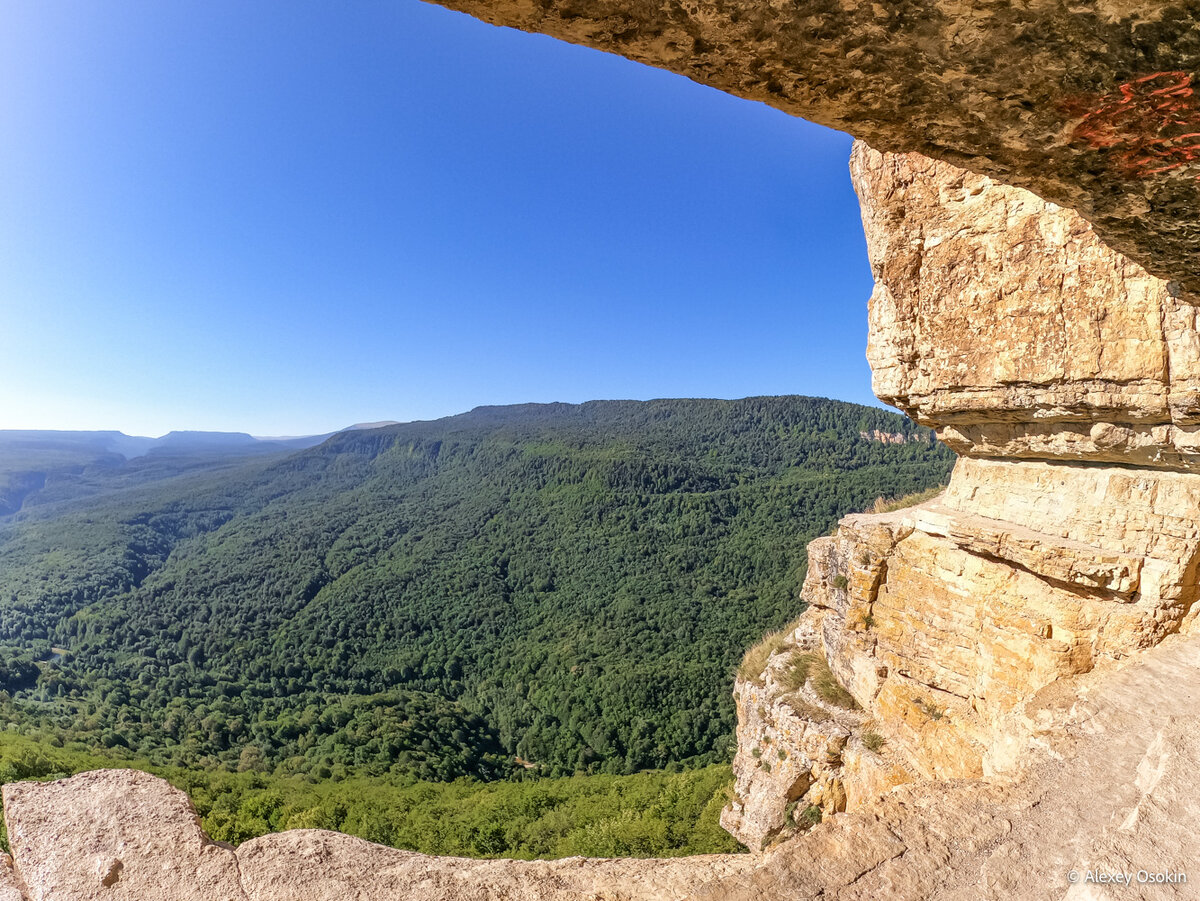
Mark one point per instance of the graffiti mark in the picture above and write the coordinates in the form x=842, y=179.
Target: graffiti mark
x=1149, y=126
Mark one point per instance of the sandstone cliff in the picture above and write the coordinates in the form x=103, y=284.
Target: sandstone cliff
x=1003, y=321
x=1045, y=358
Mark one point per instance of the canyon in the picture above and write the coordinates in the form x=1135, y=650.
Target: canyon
x=991, y=694
x=988, y=691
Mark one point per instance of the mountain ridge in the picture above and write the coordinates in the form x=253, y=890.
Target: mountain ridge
x=570, y=583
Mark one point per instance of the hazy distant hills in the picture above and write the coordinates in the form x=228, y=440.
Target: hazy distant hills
x=46, y=466
x=32, y=441
x=571, y=584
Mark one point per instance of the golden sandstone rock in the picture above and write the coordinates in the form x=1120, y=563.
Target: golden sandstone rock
x=1069, y=536
x=1005, y=323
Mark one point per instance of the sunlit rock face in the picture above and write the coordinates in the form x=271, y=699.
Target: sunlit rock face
x=1091, y=105
x=1004, y=322
x=1069, y=536
x=1113, y=785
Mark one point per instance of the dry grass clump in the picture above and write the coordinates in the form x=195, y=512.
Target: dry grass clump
x=892, y=504
x=796, y=674
x=807, y=711
x=754, y=664
x=873, y=741
x=813, y=668
x=830, y=690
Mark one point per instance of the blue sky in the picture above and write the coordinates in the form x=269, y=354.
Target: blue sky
x=285, y=217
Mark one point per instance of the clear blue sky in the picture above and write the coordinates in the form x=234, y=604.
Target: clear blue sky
x=285, y=217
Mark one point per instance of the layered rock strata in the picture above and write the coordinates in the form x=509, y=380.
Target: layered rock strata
x=1069, y=536
x=1110, y=791
x=1091, y=105
x=1005, y=323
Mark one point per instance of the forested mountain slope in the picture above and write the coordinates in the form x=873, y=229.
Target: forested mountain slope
x=571, y=585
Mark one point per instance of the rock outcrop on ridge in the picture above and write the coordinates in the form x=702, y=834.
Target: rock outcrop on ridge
x=1095, y=106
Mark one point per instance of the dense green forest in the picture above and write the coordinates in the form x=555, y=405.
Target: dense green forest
x=644, y=815
x=534, y=590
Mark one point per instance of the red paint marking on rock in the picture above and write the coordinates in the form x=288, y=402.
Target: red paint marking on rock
x=1149, y=126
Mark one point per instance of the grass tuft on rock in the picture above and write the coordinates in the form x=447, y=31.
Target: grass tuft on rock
x=754, y=663
x=892, y=504
x=811, y=667
x=873, y=741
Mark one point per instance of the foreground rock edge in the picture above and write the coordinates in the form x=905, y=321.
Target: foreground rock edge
x=125, y=834
x=111, y=835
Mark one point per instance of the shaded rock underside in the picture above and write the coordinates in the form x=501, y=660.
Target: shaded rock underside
x=1090, y=105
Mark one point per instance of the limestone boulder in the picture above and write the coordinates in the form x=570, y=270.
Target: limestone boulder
x=114, y=835
x=316, y=865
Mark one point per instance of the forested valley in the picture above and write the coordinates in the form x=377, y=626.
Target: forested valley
x=523, y=595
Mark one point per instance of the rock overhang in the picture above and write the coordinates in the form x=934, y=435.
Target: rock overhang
x=1093, y=106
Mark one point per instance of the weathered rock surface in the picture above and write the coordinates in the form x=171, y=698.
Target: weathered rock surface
x=1111, y=789
x=119, y=835
x=10, y=884
x=1091, y=105
x=112, y=835
x=791, y=745
x=991, y=690
x=942, y=618
x=314, y=864
x=1005, y=323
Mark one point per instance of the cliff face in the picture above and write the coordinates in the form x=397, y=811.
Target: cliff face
x=1044, y=357
x=1110, y=789
x=1002, y=321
